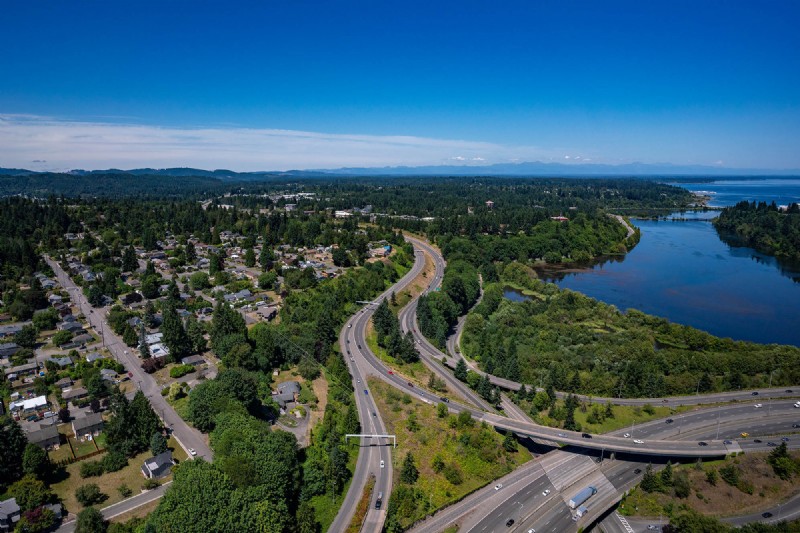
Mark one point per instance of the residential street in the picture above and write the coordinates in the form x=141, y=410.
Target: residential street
x=186, y=436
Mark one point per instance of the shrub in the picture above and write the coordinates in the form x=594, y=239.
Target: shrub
x=91, y=469
x=150, y=484
x=453, y=474
x=114, y=461
x=89, y=494
x=180, y=371
x=124, y=491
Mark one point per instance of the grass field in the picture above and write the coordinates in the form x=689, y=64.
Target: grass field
x=476, y=453
x=721, y=499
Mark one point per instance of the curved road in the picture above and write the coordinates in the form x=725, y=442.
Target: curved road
x=696, y=399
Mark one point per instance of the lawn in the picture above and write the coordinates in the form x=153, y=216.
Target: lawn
x=624, y=416
x=82, y=449
x=181, y=406
x=476, y=453
x=131, y=476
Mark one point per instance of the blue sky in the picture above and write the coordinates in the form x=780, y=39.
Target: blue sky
x=299, y=84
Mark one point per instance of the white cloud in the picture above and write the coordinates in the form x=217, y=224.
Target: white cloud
x=97, y=145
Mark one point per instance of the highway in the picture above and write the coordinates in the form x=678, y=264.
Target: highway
x=352, y=342
x=186, y=436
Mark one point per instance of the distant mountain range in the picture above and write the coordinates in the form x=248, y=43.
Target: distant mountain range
x=534, y=168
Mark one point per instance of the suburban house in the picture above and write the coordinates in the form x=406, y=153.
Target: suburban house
x=130, y=298
x=54, y=299
x=64, y=383
x=9, y=349
x=91, y=424
x=83, y=338
x=62, y=362
x=27, y=369
x=46, y=436
x=9, y=330
x=9, y=514
x=158, y=350
x=193, y=360
x=287, y=393
x=94, y=356
x=74, y=394
x=28, y=406
x=108, y=374
x=158, y=466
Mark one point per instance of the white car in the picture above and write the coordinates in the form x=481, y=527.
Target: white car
x=627, y=435
x=546, y=492
x=383, y=464
x=758, y=406
x=637, y=441
x=192, y=452
x=349, y=325
x=498, y=486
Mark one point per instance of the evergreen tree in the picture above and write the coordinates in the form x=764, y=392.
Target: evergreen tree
x=144, y=349
x=461, y=370
x=266, y=257
x=196, y=332
x=12, y=444
x=129, y=262
x=249, y=258
x=158, y=443
x=666, y=475
x=650, y=483
x=129, y=336
x=191, y=253
x=409, y=473
x=175, y=336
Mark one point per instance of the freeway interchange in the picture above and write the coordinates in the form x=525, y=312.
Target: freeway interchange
x=522, y=497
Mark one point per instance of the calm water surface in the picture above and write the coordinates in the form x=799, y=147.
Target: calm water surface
x=681, y=270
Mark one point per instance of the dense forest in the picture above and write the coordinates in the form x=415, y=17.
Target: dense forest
x=764, y=227
x=569, y=342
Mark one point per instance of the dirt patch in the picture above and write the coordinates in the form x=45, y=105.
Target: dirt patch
x=320, y=388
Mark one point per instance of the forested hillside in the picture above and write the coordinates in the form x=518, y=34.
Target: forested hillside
x=764, y=227
x=567, y=341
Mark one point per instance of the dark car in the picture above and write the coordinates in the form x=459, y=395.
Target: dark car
x=702, y=443
x=445, y=400
x=770, y=443
x=796, y=425
x=669, y=421
x=664, y=400
x=754, y=393
x=727, y=442
x=766, y=515
x=637, y=471
x=509, y=522
x=410, y=384
x=785, y=439
x=586, y=436
x=366, y=391
x=789, y=390
x=757, y=441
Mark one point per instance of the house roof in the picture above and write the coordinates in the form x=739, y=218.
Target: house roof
x=289, y=386
x=193, y=360
x=159, y=461
x=74, y=393
x=44, y=433
x=28, y=403
x=61, y=361
x=88, y=421
x=9, y=507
